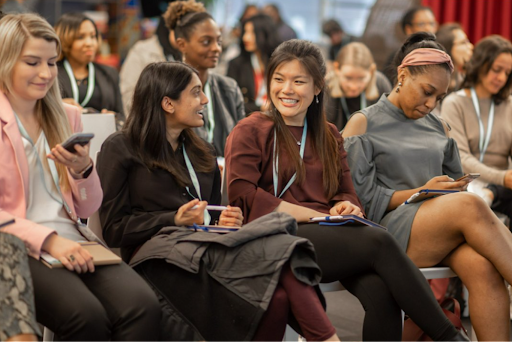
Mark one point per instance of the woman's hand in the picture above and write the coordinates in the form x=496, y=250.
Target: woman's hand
x=72, y=255
x=345, y=208
x=446, y=183
x=77, y=162
x=231, y=217
x=507, y=182
x=72, y=102
x=106, y=111
x=186, y=216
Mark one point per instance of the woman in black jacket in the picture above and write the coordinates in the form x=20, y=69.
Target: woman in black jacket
x=83, y=82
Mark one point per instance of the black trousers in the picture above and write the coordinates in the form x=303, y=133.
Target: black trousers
x=113, y=303
x=370, y=264
x=502, y=200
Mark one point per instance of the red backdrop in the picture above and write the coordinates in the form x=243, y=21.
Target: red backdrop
x=479, y=18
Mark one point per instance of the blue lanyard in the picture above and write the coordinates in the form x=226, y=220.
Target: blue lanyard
x=90, y=83
x=362, y=105
x=275, y=164
x=484, y=140
x=195, y=182
x=51, y=164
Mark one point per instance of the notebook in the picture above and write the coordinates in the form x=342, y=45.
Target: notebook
x=427, y=193
x=100, y=254
x=213, y=229
x=339, y=220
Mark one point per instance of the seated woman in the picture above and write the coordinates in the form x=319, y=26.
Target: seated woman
x=83, y=82
x=460, y=49
x=199, y=39
x=354, y=84
x=158, y=173
x=47, y=189
x=395, y=148
x=291, y=160
x=480, y=115
x=17, y=313
x=258, y=41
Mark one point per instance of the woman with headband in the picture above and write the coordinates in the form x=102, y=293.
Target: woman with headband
x=396, y=148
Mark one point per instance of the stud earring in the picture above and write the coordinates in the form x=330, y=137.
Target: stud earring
x=316, y=96
x=398, y=88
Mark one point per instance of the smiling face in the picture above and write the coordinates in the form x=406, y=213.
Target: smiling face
x=202, y=50
x=292, y=91
x=84, y=47
x=187, y=111
x=249, y=38
x=353, y=80
x=419, y=94
x=497, y=76
x=35, y=71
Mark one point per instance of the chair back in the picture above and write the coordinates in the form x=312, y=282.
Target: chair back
x=102, y=125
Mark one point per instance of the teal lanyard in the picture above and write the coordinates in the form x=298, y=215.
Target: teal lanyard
x=51, y=164
x=483, y=142
x=210, y=127
x=275, y=164
x=195, y=182
x=90, y=83
x=344, y=105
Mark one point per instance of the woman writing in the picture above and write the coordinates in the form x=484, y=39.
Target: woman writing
x=199, y=39
x=83, y=82
x=480, y=115
x=248, y=69
x=397, y=147
x=158, y=176
x=354, y=84
x=47, y=189
x=268, y=156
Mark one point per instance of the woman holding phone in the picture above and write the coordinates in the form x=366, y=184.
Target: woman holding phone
x=269, y=155
x=158, y=176
x=398, y=147
x=47, y=188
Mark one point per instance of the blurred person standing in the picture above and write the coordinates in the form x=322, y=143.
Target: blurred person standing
x=285, y=31
x=332, y=28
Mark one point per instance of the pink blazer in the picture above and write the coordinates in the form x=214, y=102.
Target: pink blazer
x=84, y=197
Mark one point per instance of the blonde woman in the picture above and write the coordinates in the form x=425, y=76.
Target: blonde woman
x=46, y=188
x=354, y=83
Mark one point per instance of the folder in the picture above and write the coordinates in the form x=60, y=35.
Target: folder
x=339, y=220
x=100, y=255
x=426, y=193
x=213, y=229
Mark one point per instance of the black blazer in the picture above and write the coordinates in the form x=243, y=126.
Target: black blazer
x=107, y=80
x=241, y=70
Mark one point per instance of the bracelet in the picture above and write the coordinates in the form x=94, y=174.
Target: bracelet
x=85, y=172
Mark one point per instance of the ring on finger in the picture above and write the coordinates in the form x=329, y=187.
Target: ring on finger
x=75, y=158
x=71, y=258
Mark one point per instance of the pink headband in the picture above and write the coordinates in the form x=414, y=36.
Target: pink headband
x=425, y=56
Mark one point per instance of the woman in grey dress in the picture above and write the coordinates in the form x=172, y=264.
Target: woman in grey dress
x=397, y=147
x=17, y=314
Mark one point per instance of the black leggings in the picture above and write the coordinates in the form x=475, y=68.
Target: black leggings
x=370, y=264
x=502, y=200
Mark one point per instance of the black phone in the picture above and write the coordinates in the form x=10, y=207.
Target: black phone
x=81, y=139
x=469, y=177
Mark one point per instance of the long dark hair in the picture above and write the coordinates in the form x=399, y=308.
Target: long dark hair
x=419, y=40
x=324, y=143
x=266, y=38
x=146, y=125
x=484, y=55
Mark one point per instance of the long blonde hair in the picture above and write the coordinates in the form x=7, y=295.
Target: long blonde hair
x=358, y=55
x=15, y=30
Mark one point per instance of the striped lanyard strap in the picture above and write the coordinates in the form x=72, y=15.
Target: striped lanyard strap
x=275, y=164
x=210, y=125
x=483, y=142
x=195, y=182
x=344, y=105
x=90, y=83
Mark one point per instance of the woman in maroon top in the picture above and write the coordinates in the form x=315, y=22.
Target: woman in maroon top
x=309, y=176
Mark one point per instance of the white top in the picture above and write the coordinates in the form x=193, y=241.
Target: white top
x=44, y=204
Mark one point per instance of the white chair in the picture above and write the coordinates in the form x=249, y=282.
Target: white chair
x=428, y=273
x=102, y=125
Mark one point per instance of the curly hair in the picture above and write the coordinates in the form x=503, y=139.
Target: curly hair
x=179, y=9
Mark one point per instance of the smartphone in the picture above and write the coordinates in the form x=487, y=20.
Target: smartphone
x=81, y=139
x=469, y=177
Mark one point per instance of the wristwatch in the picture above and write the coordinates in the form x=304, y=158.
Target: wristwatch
x=85, y=172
